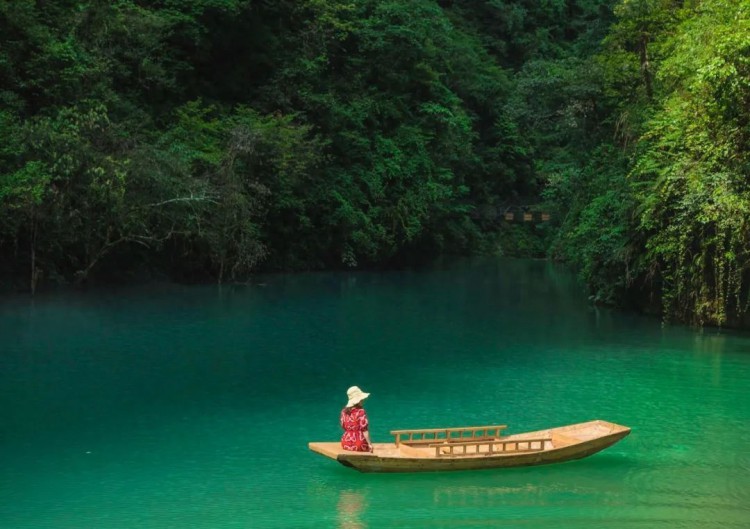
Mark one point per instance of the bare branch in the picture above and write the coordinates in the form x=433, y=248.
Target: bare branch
x=191, y=198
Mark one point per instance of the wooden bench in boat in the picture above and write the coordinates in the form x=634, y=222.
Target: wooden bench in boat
x=447, y=435
x=473, y=448
x=563, y=440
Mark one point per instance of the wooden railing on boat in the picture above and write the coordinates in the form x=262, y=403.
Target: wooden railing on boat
x=493, y=447
x=448, y=435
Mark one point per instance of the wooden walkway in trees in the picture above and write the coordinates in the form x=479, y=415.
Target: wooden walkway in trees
x=511, y=213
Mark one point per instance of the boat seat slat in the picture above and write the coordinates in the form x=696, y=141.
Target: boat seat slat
x=441, y=440
x=455, y=429
x=426, y=435
x=516, y=445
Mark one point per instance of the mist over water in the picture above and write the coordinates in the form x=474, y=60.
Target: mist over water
x=191, y=407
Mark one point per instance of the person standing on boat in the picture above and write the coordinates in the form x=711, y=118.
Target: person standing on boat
x=354, y=422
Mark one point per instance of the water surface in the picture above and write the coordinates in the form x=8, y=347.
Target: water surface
x=191, y=407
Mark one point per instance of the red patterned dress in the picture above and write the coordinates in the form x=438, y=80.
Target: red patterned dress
x=354, y=424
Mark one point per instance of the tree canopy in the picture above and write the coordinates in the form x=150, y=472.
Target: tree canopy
x=210, y=139
x=662, y=214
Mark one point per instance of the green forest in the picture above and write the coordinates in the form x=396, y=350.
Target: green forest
x=208, y=140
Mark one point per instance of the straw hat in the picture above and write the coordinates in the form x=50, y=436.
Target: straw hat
x=355, y=395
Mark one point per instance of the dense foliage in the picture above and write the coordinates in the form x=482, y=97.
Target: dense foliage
x=210, y=138
x=206, y=138
x=213, y=138
x=660, y=212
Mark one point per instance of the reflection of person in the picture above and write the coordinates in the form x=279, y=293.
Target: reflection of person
x=354, y=422
x=350, y=507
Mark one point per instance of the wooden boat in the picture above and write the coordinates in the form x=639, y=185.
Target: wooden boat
x=477, y=447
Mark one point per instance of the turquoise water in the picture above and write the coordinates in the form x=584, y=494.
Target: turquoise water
x=191, y=407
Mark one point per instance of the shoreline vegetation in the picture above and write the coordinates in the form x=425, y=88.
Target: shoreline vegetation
x=199, y=141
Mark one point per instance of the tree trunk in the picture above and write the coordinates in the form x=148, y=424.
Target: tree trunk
x=34, y=272
x=646, y=67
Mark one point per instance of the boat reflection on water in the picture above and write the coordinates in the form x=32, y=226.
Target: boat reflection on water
x=479, y=496
x=350, y=508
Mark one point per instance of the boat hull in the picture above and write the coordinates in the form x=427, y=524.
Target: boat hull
x=567, y=443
